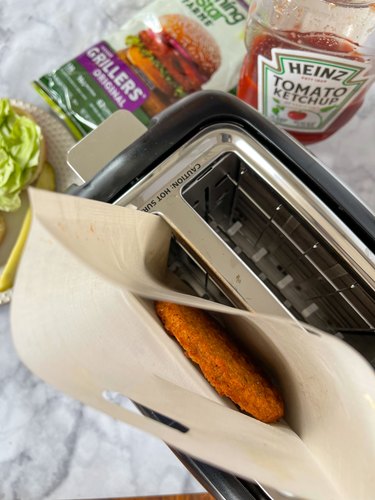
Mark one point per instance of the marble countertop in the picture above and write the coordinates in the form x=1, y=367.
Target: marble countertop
x=52, y=447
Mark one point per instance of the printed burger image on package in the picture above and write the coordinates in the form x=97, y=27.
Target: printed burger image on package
x=164, y=53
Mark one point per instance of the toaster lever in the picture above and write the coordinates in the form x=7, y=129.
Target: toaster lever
x=104, y=143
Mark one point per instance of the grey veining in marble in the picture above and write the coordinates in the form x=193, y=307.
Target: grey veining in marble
x=50, y=446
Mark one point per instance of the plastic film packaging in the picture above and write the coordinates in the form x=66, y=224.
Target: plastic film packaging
x=165, y=52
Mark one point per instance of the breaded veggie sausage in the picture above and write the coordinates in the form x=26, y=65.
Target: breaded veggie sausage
x=222, y=363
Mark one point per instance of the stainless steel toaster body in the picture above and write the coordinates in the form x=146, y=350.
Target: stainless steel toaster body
x=264, y=238
x=257, y=223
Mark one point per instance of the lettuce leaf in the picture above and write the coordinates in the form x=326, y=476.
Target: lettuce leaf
x=20, y=139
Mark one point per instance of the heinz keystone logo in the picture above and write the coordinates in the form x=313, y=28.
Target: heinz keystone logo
x=305, y=91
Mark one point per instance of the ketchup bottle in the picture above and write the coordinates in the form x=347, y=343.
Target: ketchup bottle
x=307, y=68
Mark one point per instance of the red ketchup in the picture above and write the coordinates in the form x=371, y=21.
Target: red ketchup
x=263, y=44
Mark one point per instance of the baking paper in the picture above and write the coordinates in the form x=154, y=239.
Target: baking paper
x=83, y=320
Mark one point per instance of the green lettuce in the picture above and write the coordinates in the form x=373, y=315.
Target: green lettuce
x=20, y=140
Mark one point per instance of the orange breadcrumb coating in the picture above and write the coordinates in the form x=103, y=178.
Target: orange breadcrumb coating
x=223, y=364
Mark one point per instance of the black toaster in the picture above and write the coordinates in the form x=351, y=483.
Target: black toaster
x=258, y=222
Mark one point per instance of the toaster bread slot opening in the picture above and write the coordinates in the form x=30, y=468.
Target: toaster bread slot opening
x=192, y=274
x=293, y=260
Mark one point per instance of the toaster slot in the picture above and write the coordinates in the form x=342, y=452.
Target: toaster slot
x=292, y=259
x=183, y=264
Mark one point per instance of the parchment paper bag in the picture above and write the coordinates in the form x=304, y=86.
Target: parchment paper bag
x=83, y=320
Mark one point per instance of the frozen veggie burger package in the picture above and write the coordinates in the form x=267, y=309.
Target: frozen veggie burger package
x=167, y=51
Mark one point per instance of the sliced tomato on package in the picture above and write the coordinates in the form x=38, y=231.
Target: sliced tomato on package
x=164, y=53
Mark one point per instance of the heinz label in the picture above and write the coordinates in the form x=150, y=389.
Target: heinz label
x=306, y=91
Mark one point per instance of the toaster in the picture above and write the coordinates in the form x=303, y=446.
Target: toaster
x=257, y=222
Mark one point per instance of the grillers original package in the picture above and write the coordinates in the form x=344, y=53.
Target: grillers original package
x=167, y=51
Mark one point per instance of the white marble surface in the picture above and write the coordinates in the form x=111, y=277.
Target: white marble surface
x=50, y=446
